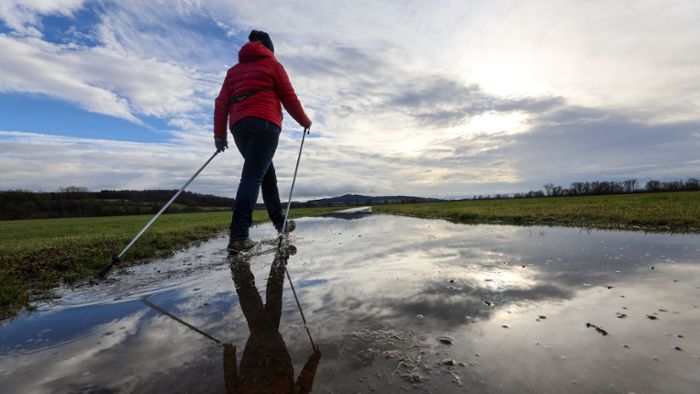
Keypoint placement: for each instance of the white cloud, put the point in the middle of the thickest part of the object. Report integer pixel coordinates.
(451, 98)
(97, 79)
(29, 66)
(180, 33)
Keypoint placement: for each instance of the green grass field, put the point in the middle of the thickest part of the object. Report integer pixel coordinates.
(678, 211)
(36, 255)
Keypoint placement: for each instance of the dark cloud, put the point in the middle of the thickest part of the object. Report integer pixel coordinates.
(576, 143)
(437, 92)
(441, 101)
(335, 61)
(533, 105)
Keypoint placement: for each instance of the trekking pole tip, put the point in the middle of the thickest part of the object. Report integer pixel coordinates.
(115, 259)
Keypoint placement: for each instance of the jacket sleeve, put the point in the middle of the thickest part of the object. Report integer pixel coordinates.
(221, 109)
(288, 97)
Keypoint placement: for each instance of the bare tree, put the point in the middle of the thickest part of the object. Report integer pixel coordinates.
(578, 188)
(73, 189)
(548, 187)
(653, 186)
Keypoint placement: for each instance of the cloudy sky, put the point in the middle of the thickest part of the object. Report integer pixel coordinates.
(440, 98)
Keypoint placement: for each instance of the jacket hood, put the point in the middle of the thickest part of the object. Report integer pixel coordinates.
(253, 50)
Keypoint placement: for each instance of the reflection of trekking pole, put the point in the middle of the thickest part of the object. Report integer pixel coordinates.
(177, 319)
(303, 318)
(279, 245)
(115, 259)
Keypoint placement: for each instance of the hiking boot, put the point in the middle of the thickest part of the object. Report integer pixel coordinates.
(241, 245)
(291, 225)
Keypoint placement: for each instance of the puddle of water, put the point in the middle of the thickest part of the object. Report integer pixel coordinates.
(394, 304)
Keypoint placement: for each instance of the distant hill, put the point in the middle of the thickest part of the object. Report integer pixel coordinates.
(357, 199)
(81, 203)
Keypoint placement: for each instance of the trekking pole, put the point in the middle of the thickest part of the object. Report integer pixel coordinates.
(115, 259)
(296, 169)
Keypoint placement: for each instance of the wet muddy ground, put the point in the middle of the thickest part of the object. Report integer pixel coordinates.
(395, 304)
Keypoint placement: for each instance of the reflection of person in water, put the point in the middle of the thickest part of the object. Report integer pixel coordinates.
(266, 366)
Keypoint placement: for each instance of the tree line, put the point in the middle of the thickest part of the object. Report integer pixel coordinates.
(75, 201)
(602, 188)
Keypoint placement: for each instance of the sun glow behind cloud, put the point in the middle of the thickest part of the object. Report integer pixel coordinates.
(495, 122)
(508, 75)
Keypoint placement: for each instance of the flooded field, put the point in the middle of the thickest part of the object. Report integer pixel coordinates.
(394, 304)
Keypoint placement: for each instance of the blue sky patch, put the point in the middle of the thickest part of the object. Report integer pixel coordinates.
(77, 29)
(21, 112)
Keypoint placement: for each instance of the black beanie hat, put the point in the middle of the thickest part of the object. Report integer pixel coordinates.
(259, 35)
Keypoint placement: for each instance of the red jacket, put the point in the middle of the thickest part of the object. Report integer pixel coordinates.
(257, 68)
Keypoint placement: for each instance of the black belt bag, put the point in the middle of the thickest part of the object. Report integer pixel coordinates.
(241, 97)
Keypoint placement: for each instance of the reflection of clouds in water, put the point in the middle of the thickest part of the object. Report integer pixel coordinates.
(407, 273)
(137, 352)
(362, 284)
(49, 368)
(442, 304)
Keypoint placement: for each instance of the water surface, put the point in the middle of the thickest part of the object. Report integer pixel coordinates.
(395, 304)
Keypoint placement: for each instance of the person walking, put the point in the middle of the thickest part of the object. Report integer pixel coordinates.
(250, 100)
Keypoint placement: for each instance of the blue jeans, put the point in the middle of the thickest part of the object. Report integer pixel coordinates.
(257, 140)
